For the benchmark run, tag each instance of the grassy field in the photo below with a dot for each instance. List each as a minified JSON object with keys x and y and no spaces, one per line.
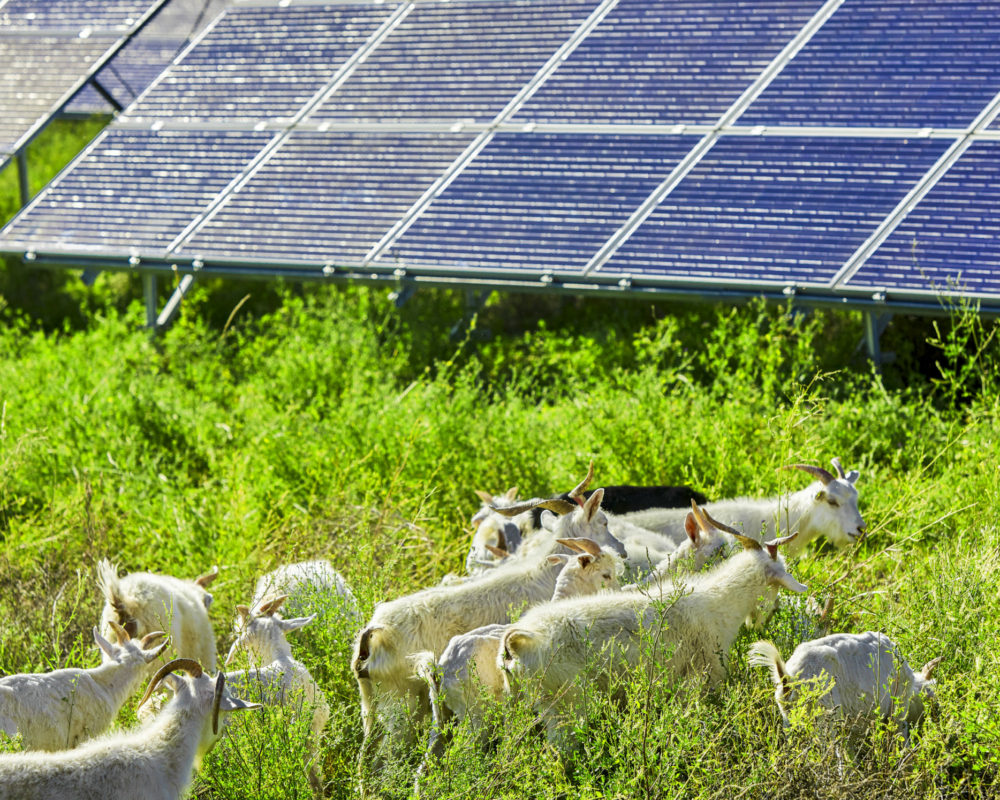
{"x":325,"y":422}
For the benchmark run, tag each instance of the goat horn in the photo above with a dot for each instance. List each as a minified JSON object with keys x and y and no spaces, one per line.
{"x":840,"y":470}
{"x":189,"y":665}
{"x":582,"y":487}
{"x":499,"y":552}
{"x":582,"y":545}
{"x":271,"y":606}
{"x":558,"y":506}
{"x":719,"y":525}
{"x":147,"y":640}
{"x":220,"y":685}
{"x":748,"y":542}
{"x":205,"y":580}
{"x":120,"y":633}
{"x":784,"y":539}
{"x":818,"y":473}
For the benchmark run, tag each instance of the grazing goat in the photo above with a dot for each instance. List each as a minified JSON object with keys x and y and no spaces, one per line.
{"x":153,"y":762}
{"x":59,"y":710}
{"x":828,"y":507}
{"x":308,"y":586}
{"x":557,"y":643}
{"x":469,"y":664}
{"x":492,"y":530}
{"x":274,"y":676}
{"x":427,"y":620}
{"x":705,"y":541}
{"x":860,"y":676}
{"x":142,"y":603}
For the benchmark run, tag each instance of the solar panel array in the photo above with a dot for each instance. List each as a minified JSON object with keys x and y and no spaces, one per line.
{"x":842,"y":152}
{"x":49,"y":49}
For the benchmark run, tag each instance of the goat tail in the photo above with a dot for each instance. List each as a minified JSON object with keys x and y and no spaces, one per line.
{"x":108,"y":583}
{"x":765,"y":654}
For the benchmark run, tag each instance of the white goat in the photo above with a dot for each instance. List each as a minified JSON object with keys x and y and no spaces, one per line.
{"x":274,"y":676}
{"x":59,"y":710}
{"x":554,"y":643}
{"x":142,"y":603}
{"x":706,"y":539}
{"x":492,"y":530}
{"x":309,"y":587}
{"x":153,"y":762}
{"x":860,"y":676}
{"x":828,"y":507}
{"x":427,"y":620}
{"x":469,"y":662}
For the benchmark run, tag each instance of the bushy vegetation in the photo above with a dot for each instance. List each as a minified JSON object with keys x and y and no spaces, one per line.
{"x":326,"y":422}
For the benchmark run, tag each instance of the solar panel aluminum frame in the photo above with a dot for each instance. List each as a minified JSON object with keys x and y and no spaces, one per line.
{"x":32,"y":133}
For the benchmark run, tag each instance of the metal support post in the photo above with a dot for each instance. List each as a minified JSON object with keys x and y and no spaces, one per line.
{"x":875,"y":325}
{"x":22,"y":177}
{"x":174,"y":303}
{"x":401,"y":296}
{"x":149,"y":294}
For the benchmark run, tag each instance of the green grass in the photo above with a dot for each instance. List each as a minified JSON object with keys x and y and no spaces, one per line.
{"x":324,"y":422}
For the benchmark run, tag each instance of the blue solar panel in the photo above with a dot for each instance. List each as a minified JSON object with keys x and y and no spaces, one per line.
{"x":952,"y":238}
{"x":456,"y":61}
{"x":775,"y":208}
{"x":261,"y":63}
{"x":134,"y":190}
{"x":531,"y":201}
{"x":72,"y":13}
{"x":328,"y":196}
{"x":662,"y":61}
{"x":910,"y":63}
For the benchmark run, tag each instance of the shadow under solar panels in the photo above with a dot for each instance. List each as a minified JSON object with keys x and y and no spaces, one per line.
{"x":667,"y":62}
{"x":260,"y":63}
{"x":327,"y":196}
{"x":903,"y":63}
{"x":534,"y":201}
{"x":951,"y":240}
{"x":456,"y":61}
{"x":775,"y":209}
{"x":133,"y":189}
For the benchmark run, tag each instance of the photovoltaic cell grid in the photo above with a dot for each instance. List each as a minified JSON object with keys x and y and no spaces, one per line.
{"x":259,"y":64}
{"x":540,"y":201}
{"x":951,"y":237}
{"x":328,"y":193}
{"x":754,"y":211}
{"x":456,"y":61}
{"x":136,"y":190}
{"x":910,"y":63}
{"x":775,"y":209}
{"x":47,"y":47}
{"x":147,"y":54}
{"x":668,"y":62}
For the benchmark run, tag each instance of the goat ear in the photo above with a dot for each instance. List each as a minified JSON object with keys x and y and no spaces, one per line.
{"x":788,"y":582}
{"x":204,"y":580}
{"x":103,"y":643}
{"x":593,"y":504}
{"x":852,"y":476}
{"x":558,"y":558}
{"x":820,"y":496}
{"x":269,"y":607}
{"x":294,"y":624}
{"x":548,"y":520}
{"x":585,"y":560}
{"x":691,"y":528}
{"x":229,"y":703}
{"x":243,"y":611}
{"x":486,"y":497}
{"x":515,"y":642}
{"x":511,"y":494}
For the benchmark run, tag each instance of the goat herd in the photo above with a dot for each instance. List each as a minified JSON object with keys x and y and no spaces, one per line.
{"x":560,"y":563}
